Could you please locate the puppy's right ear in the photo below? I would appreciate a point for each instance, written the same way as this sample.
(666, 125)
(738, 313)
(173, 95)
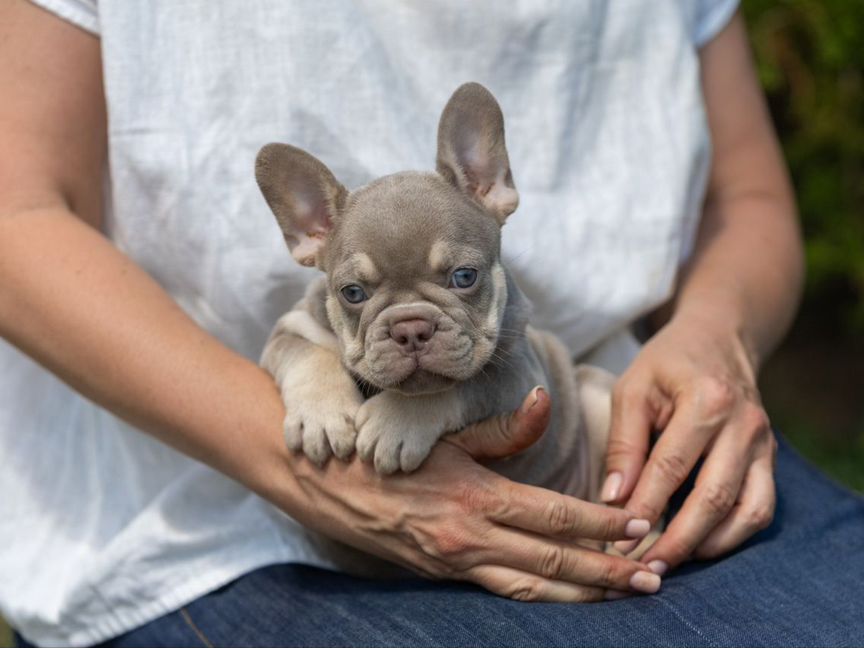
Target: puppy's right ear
(304, 197)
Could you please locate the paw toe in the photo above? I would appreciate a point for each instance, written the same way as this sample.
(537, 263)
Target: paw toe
(387, 459)
(412, 458)
(315, 445)
(366, 446)
(292, 428)
(342, 439)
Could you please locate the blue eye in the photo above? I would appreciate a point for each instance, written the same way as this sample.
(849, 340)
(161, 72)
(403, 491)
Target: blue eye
(463, 278)
(353, 294)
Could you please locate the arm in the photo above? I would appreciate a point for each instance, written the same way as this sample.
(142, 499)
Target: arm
(72, 301)
(69, 298)
(696, 379)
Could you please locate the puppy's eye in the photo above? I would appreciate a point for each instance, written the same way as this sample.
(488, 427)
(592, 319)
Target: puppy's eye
(463, 278)
(353, 294)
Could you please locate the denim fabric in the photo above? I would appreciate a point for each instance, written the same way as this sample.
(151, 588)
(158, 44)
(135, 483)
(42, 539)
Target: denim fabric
(797, 583)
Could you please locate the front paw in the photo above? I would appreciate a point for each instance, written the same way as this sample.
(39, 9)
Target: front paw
(389, 440)
(321, 427)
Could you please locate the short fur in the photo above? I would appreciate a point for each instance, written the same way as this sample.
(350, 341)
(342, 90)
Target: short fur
(349, 381)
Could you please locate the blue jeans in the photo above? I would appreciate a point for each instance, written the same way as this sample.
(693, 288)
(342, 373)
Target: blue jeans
(799, 582)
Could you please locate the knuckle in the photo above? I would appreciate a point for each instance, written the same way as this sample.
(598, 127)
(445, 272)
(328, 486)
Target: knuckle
(608, 575)
(620, 448)
(755, 421)
(588, 595)
(760, 517)
(498, 429)
(475, 498)
(672, 467)
(525, 589)
(611, 527)
(561, 519)
(718, 498)
(715, 397)
(552, 563)
(449, 544)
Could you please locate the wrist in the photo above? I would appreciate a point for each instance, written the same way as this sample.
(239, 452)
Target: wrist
(723, 322)
(269, 470)
(239, 433)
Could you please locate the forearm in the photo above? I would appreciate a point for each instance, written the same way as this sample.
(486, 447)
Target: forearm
(72, 301)
(747, 270)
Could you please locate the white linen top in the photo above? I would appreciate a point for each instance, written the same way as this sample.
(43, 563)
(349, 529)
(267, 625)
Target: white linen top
(102, 528)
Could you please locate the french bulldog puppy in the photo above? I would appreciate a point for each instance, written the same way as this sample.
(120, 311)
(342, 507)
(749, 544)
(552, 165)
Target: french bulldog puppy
(417, 329)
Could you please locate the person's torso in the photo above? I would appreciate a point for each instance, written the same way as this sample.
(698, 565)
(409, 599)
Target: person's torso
(609, 150)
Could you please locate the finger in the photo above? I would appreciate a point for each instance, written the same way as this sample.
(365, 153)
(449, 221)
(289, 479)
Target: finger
(629, 433)
(552, 514)
(711, 500)
(565, 561)
(753, 512)
(523, 586)
(506, 435)
(671, 461)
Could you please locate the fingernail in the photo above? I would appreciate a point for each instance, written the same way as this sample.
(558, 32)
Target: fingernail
(616, 595)
(637, 528)
(645, 582)
(611, 487)
(626, 546)
(659, 567)
(532, 400)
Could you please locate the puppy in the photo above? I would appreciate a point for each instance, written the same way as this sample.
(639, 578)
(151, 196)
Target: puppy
(417, 329)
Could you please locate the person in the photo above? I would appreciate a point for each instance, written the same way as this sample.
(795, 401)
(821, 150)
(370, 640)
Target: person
(148, 495)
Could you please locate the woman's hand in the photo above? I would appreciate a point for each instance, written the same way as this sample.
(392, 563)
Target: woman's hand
(695, 383)
(455, 519)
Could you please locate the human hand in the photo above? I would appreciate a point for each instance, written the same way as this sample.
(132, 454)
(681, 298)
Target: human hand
(455, 519)
(695, 383)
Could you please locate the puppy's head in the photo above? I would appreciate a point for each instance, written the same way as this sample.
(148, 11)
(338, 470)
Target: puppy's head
(416, 289)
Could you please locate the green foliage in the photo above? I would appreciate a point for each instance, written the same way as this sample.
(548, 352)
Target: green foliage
(810, 57)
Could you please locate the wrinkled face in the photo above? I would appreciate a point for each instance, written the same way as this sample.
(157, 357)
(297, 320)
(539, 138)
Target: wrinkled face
(416, 290)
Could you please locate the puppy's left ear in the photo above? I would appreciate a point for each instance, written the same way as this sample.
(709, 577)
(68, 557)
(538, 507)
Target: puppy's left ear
(471, 151)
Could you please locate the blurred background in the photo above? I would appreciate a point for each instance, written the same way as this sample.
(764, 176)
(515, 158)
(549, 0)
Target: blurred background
(810, 58)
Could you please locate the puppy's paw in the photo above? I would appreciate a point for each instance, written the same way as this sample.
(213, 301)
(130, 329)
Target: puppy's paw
(389, 438)
(391, 449)
(320, 433)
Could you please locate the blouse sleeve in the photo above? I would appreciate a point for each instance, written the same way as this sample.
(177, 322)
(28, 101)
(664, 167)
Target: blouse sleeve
(709, 18)
(81, 13)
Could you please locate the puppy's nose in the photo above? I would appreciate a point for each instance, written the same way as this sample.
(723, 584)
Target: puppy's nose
(412, 334)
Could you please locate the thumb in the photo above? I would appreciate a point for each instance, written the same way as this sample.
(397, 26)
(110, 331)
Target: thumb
(502, 436)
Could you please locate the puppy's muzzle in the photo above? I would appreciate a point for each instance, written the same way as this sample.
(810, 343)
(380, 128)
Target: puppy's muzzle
(416, 348)
(412, 334)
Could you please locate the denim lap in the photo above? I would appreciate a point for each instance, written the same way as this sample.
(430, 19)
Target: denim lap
(799, 582)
